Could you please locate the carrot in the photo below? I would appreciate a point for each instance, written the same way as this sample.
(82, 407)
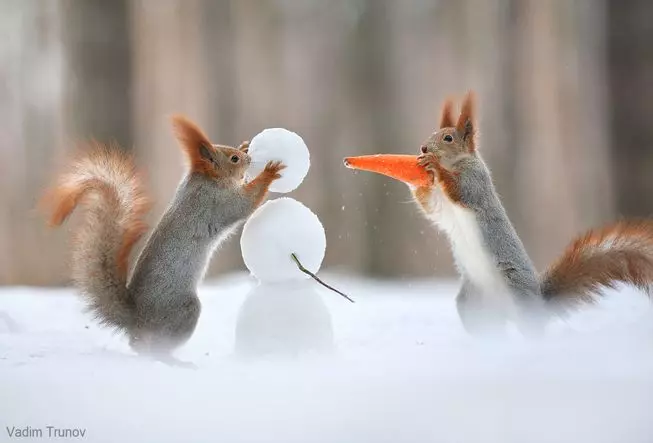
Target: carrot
(399, 167)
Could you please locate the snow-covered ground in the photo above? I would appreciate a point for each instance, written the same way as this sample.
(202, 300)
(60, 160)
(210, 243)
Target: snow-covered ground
(403, 371)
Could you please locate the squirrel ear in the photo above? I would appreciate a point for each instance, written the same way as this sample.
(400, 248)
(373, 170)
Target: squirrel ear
(192, 140)
(447, 119)
(244, 147)
(205, 153)
(466, 124)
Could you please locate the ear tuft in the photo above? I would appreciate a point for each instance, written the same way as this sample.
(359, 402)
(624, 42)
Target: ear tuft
(191, 138)
(447, 119)
(466, 125)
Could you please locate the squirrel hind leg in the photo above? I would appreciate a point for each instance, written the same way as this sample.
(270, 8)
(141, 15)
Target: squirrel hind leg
(160, 334)
(533, 315)
(169, 360)
(480, 319)
(145, 347)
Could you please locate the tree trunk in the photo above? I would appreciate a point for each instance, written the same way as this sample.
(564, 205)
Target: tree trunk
(96, 38)
(30, 127)
(630, 62)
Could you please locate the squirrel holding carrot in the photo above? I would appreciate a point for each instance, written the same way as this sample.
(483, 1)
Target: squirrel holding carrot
(158, 306)
(454, 189)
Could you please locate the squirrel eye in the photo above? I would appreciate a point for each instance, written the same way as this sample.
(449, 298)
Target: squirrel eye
(235, 159)
(424, 148)
(447, 138)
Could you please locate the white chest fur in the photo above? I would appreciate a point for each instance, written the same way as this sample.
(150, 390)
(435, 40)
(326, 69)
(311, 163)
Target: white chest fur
(469, 250)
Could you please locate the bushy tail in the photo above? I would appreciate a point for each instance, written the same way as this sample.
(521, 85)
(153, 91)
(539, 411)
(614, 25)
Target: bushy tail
(106, 182)
(599, 259)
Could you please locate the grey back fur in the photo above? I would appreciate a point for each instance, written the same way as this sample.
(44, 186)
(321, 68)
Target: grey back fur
(176, 255)
(477, 192)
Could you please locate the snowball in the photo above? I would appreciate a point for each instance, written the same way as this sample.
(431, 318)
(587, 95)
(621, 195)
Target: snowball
(283, 319)
(285, 146)
(275, 230)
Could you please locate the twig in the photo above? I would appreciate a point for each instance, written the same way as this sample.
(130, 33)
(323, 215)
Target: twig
(316, 278)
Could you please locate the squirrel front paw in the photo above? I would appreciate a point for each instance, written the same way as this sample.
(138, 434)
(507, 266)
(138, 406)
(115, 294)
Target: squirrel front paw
(259, 186)
(272, 169)
(430, 162)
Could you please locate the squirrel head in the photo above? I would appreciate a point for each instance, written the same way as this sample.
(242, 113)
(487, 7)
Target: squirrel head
(455, 139)
(215, 161)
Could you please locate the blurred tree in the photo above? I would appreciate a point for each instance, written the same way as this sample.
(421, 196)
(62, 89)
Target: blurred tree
(98, 69)
(30, 130)
(561, 154)
(372, 88)
(217, 44)
(630, 61)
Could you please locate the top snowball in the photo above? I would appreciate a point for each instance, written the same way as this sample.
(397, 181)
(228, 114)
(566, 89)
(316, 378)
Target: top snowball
(285, 146)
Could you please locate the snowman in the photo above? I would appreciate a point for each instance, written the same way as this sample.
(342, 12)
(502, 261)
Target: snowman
(283, 244)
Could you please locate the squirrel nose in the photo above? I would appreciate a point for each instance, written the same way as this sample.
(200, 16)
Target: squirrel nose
(424, 149)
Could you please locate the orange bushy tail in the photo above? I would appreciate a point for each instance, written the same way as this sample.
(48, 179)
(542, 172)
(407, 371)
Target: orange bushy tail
(106, 182)
(601, 258)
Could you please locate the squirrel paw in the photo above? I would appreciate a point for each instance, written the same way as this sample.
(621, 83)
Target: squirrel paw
(244, 146)
(273, 168)
(171, 361)
(430, 162)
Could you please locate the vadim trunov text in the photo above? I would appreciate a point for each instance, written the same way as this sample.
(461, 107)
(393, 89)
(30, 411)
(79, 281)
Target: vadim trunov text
(45, 432)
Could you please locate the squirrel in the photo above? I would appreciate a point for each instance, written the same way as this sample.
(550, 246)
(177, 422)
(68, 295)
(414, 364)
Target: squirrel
(499, 281)
(157, 307)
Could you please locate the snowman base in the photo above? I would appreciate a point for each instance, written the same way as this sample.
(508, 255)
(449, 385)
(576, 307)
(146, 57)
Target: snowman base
(283, 319)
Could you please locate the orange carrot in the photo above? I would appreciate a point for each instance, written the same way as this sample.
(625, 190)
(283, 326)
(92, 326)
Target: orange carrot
(399, 167)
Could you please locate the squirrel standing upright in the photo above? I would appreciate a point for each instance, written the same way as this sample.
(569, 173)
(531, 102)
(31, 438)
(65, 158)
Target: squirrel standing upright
(158, 306)
(499, 281)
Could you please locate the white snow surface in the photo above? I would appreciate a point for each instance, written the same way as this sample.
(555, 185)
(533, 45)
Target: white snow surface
(274, 231)
(403, 371)
(281, 145)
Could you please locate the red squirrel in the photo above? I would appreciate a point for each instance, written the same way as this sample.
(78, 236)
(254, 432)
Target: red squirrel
(157, 307)
(499, 281)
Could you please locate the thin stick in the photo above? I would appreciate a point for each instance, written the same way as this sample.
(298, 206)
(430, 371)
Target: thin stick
(316, 278)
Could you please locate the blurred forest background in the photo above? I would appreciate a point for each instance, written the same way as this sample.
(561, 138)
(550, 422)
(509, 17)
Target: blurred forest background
(565, 99)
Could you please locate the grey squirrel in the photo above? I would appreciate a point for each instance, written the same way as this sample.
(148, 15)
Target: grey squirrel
(158, 306)
(499, 281)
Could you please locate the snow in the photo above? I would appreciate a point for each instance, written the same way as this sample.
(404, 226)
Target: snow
(277, 229)
(403, 370)
(282, 319)
(282, 145)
